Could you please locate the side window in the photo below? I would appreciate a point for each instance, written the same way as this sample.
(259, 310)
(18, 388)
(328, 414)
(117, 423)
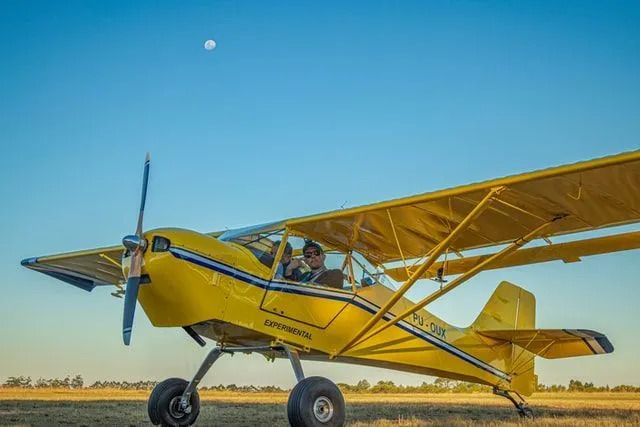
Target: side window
(336, 262)
(368, 275)
(264, 257)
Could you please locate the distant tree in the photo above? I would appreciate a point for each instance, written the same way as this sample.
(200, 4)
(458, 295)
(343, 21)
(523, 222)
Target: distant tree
(363, 385)
(384, 387)
(444, 383)
(21, 381)
(77, 382)
(575, 385)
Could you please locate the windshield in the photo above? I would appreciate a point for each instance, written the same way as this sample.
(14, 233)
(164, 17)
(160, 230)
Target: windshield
(261, 245)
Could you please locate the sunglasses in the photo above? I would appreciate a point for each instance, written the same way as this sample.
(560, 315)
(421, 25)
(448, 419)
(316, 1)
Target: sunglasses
(310, 254)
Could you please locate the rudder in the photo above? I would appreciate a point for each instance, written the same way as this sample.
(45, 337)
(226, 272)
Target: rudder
(509, 308)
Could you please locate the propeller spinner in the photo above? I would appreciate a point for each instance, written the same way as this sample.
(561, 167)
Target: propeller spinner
(136, 244)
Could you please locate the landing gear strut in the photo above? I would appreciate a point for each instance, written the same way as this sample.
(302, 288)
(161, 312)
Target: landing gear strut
(523, 409)
(313, 402)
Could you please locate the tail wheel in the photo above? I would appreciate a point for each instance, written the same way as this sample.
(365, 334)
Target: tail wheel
(526, 412)
(164, 404)
(316, 402)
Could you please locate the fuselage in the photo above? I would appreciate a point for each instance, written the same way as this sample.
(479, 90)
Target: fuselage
(226, 294)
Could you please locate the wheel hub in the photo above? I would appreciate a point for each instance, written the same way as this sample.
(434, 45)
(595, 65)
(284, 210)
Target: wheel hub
(323, 409)
(175, 408)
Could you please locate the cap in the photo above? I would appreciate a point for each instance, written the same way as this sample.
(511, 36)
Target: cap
(311, 244)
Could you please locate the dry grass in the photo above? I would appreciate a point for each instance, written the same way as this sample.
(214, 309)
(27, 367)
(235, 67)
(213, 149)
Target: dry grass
(118, 407)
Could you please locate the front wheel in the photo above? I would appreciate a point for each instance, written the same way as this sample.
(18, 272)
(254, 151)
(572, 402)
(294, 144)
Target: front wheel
(164, 404)
(316, 402)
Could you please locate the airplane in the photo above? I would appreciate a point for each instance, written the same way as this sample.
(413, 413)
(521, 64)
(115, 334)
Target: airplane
(231, 286)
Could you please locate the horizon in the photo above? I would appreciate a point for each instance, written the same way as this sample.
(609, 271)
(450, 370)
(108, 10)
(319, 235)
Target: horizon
(71, 377)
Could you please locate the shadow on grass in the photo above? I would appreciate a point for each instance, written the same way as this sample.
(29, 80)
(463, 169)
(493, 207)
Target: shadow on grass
(89, 413)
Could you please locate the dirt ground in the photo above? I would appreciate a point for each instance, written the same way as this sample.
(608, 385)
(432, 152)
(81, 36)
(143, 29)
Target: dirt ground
(115, 407)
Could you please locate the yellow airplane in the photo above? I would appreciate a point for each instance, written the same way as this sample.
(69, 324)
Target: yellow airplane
(233, 287)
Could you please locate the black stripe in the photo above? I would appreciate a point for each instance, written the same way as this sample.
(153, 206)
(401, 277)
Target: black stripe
(589, 345)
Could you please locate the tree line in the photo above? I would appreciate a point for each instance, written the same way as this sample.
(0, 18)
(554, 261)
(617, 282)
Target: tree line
(440, 385)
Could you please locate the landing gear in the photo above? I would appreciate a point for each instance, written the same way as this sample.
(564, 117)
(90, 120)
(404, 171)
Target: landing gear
(164, 404)
(523, 409)
(313, 402)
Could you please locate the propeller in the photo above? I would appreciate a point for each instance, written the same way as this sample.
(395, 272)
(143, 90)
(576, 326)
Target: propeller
(136, 244)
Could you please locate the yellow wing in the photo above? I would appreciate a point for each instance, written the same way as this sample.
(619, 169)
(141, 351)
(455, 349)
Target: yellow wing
(590, 195)
(84, 269)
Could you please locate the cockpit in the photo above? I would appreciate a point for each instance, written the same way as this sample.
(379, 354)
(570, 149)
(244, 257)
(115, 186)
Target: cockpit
(306, 262)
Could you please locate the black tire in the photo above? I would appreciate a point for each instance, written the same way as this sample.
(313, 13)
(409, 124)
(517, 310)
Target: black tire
(163, 404)
(316, 402)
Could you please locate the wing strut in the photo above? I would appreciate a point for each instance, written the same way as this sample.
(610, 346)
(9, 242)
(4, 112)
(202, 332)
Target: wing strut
(468, 275)
(393, 228)
(437, 251)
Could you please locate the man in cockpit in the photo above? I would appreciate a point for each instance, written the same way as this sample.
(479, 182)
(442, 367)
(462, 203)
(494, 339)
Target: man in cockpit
(314, 257)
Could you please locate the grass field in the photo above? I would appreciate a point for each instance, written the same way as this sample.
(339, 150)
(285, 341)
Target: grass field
(118, 407)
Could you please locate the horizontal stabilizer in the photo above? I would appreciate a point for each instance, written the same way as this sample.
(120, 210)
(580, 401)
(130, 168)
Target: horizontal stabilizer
(554, 343)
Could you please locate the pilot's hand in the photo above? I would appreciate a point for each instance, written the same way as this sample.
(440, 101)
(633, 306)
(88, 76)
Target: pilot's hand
(295, 263)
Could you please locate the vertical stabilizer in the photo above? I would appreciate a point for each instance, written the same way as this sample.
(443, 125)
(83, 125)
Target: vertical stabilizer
(510, 308)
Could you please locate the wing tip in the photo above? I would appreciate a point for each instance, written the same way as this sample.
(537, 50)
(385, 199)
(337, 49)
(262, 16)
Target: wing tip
(605, 344)
(27, 262)
(601, 339)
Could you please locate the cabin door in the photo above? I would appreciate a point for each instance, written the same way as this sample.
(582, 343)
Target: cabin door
(310, 304)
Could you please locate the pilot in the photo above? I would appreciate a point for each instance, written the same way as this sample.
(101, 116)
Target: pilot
(287, 269)
(314, 256)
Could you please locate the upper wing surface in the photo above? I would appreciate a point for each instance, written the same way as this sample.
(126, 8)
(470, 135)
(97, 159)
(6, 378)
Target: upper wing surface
(84, 269)
(593, 194)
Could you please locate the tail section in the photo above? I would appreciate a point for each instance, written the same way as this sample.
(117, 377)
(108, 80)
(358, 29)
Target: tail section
(511, 308)
(509, 318)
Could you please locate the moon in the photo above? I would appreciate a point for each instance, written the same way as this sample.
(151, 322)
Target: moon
(210, 44)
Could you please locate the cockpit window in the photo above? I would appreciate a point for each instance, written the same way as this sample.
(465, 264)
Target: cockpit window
(306, 262)
(368, 275)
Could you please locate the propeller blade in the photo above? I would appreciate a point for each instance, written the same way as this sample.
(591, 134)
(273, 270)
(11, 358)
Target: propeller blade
(145, 179)
(131, 295)
(136, 244)
(130, 299)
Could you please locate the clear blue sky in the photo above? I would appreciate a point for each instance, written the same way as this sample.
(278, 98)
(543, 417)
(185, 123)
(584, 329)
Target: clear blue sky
(302, 107)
